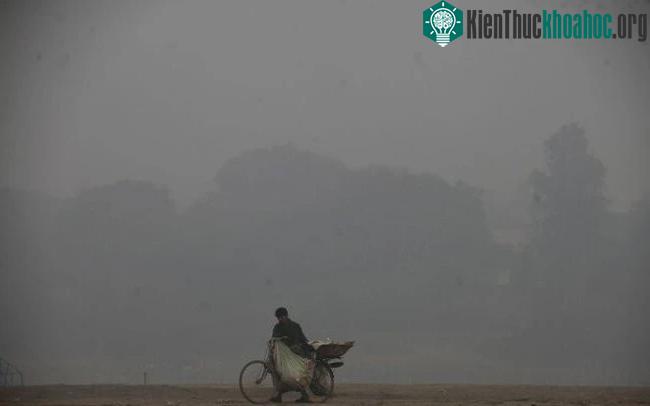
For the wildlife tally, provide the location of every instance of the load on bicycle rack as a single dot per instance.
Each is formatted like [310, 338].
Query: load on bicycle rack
[259, 379]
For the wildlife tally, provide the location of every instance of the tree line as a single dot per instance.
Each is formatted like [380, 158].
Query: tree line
[117, 279]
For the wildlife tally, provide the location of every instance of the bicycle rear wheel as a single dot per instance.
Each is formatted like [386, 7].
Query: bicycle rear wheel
[322, 384]
[256, 382]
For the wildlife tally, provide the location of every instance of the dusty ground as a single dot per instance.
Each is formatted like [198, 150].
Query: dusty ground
[403, 395]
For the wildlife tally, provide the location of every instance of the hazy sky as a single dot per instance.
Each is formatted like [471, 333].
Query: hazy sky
[94, 92]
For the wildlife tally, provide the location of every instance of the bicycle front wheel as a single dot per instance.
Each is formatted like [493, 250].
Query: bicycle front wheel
[256, 382]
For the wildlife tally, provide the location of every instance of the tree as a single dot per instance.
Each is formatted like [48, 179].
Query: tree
[568, 209]
[115, 248]
[568, 199]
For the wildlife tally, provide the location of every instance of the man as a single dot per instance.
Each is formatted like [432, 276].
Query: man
[297, 342]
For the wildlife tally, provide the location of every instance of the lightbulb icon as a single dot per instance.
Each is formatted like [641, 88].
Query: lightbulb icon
[442, 21]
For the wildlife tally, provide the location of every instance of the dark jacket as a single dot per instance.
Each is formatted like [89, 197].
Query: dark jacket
[295, 338]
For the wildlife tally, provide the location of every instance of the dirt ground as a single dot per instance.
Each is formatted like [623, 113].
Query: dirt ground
[346, 394]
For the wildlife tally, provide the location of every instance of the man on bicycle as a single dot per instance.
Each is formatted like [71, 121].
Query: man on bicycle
[295, 339]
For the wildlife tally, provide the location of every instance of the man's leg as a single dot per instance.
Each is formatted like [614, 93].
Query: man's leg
[279, 389]
[304, 396]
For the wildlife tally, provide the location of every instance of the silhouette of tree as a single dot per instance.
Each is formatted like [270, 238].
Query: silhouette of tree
[116, 249]
[568, 199]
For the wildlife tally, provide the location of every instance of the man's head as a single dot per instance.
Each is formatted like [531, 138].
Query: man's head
[282, 314]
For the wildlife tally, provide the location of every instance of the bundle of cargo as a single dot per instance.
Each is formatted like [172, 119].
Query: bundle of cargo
[293, 370]
[329, 349]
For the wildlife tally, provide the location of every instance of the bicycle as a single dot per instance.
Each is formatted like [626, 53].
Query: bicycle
[256, 379]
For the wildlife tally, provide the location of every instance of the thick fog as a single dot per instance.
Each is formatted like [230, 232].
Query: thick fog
[171, 172]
